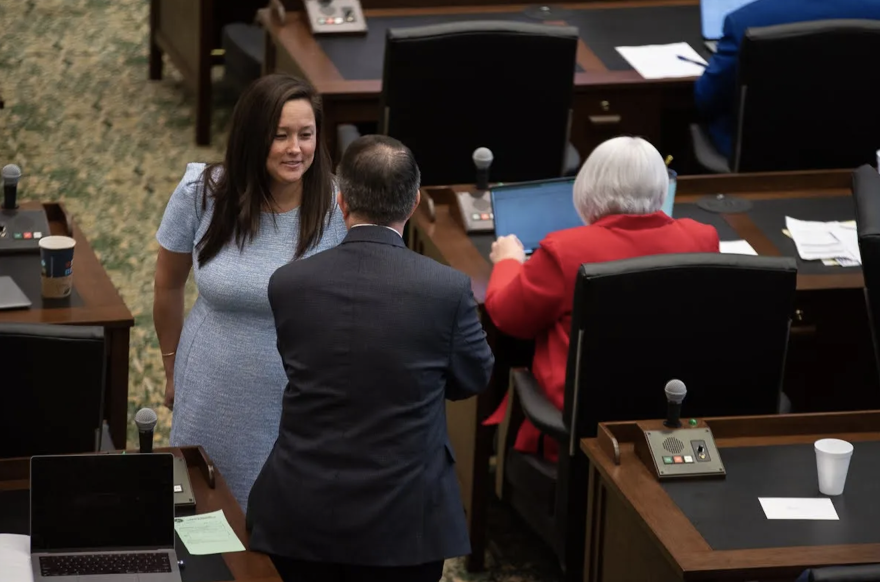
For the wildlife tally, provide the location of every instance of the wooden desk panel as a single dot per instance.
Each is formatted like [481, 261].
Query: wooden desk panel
[246, 566]
[606, 103]
[102, 307]
[630, 515]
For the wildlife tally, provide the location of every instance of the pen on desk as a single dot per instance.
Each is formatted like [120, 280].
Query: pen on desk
[691, 61]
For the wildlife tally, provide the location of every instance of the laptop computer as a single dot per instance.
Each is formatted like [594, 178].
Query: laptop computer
[712, 15]
[532, 210]
[103, 517]
[11, 295]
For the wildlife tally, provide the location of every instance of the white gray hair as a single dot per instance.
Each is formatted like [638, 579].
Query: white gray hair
[624, 175]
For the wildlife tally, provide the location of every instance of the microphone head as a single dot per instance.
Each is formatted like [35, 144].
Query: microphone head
[11, 174]
[483, 158]
[675, 391]
[146, 419]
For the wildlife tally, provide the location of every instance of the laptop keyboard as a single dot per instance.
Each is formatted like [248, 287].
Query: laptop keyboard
[92, 564]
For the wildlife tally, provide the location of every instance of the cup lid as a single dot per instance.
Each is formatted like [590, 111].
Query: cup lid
[57, 243]
[833, 447]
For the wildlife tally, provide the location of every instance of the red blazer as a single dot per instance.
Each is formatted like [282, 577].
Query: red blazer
[533, 300]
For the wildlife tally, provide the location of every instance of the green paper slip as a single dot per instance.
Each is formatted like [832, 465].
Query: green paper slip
[207, 533]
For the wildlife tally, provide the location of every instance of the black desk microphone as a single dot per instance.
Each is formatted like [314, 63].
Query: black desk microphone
[146, 419]
[675, 393]
[11, 175]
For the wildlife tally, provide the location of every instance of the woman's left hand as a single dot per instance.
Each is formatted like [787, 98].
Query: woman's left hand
[507, 247]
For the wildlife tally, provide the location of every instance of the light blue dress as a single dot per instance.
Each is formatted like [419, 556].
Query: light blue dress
[228, 375]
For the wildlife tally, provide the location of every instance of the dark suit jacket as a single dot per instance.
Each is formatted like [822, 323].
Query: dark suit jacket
[715, 90]
[374, 339]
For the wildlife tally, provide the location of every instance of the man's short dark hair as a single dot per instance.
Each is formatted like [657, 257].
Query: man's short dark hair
[379, 179]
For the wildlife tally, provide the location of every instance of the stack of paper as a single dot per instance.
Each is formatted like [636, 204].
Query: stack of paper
[663, 61]
[15, 558]
[825, 241]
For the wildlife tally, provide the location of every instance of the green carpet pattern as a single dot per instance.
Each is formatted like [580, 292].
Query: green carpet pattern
[89, 129]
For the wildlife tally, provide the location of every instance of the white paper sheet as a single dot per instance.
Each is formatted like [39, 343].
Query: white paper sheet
[661, 61]
[825, 240]
[15, 558]
[818, 508]
[736, 247]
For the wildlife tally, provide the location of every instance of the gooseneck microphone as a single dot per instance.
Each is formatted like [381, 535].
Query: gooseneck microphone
[146, 419]
[11, 175]
[675, 393]
[482, 160]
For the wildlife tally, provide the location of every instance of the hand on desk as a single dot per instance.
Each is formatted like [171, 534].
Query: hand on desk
[169, 394]
[507, 247]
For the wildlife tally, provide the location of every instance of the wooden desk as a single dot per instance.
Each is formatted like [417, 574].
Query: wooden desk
[189, 32]
[830, 321]
[101, 306]
[635, 531]
[606, 102]
[245, 566]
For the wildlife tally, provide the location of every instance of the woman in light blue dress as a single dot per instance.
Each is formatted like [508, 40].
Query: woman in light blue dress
[233, 224]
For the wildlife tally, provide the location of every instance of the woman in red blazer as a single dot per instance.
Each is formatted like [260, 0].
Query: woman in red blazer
[618, 193]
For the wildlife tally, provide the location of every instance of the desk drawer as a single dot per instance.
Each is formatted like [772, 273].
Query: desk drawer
[601, 114]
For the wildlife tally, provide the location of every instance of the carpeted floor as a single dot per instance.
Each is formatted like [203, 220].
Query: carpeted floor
[88, 128]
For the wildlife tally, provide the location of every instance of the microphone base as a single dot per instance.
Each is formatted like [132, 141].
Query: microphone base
[668, 423]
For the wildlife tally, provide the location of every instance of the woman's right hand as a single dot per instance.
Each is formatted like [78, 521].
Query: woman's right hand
[169, 394]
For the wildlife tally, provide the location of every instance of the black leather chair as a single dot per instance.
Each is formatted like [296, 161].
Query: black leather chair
[806, 99]
[861, 573]
[720, 323]
[866, 194]
[448, 89]
[52, 389]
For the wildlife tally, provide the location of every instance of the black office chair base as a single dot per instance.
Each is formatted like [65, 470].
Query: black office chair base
[546, 12]
[724, 204]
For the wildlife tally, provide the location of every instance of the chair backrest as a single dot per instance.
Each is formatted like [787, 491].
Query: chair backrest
[807, 96]
[860, 573]
[52, 388]
[449, 89]
[719, 323]
[866, 195]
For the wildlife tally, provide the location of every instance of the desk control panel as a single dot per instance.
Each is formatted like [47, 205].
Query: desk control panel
[476, 211]
[681, 453]
[21, 231]
[335, 16]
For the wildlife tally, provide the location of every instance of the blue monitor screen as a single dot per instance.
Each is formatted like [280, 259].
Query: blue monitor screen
[533, 210]
[713, 13]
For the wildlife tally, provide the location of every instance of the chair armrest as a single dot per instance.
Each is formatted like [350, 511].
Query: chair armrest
[536, 407]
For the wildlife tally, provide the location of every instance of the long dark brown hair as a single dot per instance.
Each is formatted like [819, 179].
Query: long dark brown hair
[241, 189]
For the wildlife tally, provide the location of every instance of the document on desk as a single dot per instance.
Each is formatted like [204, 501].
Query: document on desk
[207, 533]
[818, 508]
[736, 247]
[664, 61]
[15, 558]
[825, 240]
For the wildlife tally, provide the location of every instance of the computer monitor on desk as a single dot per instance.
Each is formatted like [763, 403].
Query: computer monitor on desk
[712, 15]
[532, 210]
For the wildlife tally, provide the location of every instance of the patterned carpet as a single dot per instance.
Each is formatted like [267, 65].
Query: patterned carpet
[88, 128]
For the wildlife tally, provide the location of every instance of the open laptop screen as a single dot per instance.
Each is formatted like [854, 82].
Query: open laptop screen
[102, 502]
[532, 210]
[713, 13]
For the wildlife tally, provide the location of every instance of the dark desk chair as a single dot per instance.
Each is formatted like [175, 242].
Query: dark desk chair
[52, 383]
[719, 323]
[450, 88]
[806, 99]
[862, 573]
[866, 194]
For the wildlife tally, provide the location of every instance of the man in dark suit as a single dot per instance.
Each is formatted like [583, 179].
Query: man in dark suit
[361, 482]
[715, 90]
